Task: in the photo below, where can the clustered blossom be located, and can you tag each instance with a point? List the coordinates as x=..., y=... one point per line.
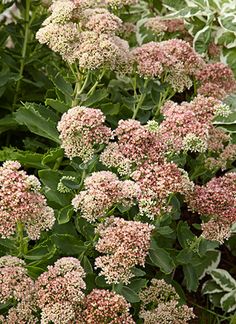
x=101, y=20
x=104, y=306
x=84, y=32
x=22, y=203
x=159, y=25
x=125, y=244
x=228, y=155
x=16, y=287
x=159, y=304
x=138, y=143
x=189, y=127
x=174, y=61
x=82, y=131
x=217, y=201
x=102, y=190
x=60, y=290
x=216, y=80
x=157, y=183
x=102, y=50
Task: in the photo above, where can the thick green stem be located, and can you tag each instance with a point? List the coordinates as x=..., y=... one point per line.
x=24, y=49
x=22, y=247
x=169, y=93
x=140, y=100
x=57, y=163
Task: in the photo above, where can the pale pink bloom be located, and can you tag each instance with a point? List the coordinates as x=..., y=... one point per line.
x=103, y=306
x=216, y=80
x=22, y=202
x=157, y=183
x=125, y=244
x=158, y=25
x=82, y=131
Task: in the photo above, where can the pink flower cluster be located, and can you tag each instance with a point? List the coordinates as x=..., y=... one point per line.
x=189, y=127
x=17, y=288
x=216, y=80
x=159, y=304
x=228, y=155
x=173, y=61
x=60, y=290
x=135, y=145
x=84, y=32
x=125, y=244
x=217, y=201
x=157, y=183
x=159, y=25
x=102, y=190
x=22, y=203
x=104, y=306
x=82, y=131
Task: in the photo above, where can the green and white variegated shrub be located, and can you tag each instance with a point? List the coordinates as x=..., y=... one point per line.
x=221, y=290
x=208, y=21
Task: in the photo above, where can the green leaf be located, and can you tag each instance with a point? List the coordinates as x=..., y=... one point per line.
x=7, y=123
x=185, y=236
x=98, y=96
x=39, y=121
x=227, y=21
x=34, y=272
x=86, y=264
x=26, y=158
x=228, y=301
x=223, y=279
x=51, y=156
x=162, y=259
x=206, y=263
x=190, y=277
x=138, y=272
x=65, y=214
x=137, y=284
x=68, y=244
x=184, y=256
x=57, y=105
x=101, y=282
x=202, y=39
x=130, y=295
x=211, y=287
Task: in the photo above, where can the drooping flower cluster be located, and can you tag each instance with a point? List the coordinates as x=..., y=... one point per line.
x=60, y=291
x=159, y=305
x=159, y=25
x=135, y=145
x=22, y=203
x=82, y=131
x=157, y=183
x=217, y=201
x=18, y=289
x=216, y=80
x=174, y=61
x=125, y=244
x=84, y=32
x=104, y=306
x=102, y=190
x=189, y=127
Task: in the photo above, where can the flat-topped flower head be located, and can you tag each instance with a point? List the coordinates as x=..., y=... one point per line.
x=104, y=306
x=217, y=201
x=174, y=60
x=82, y=131
x=22, y=202
x=216, y=80
x=101, y=20
x=156, y=183
x=158, y=25
x=15, y=284
x=61, y=287
x=96, y=51
x=159, y=304
x=103, y=189
x=125, y=244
